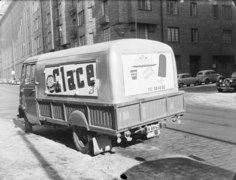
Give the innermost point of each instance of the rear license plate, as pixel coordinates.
(153, 130)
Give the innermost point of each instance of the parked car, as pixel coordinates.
(187, 79)
(3, 81)
(207, 76)
(225, 84)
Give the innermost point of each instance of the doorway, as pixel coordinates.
(194, 63)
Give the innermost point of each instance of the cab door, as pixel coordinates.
(28, 91)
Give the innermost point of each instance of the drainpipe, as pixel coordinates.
(135, 21)
(162, 22)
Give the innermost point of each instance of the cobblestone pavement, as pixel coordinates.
(174, 143)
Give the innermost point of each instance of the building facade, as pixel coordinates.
(201, 32)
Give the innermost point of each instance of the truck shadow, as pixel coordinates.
(59, 135)
(49, 170)
(64, 135)
(178, 168)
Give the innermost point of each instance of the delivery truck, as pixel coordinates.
(105, 92)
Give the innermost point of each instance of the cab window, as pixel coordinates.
(29, 74)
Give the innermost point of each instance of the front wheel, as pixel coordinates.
(220, 90)
(181, 85)
(82, 140)
(28, 126)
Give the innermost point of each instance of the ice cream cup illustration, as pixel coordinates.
(134, 74)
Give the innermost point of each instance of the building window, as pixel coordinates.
(81, 18)
(194, 35)
(143, 31)
(36, 23)
(90, 14)
(227, 12)
(172, 7)
(37, 41)
(82, 40)
(178, 62)
(48, 18)
(60, 33)
(173, 34)
(193, 9)
(227, 36)
(49, 37)
(215, 11)
(91, 38)
(105, 7)
(144, 5)
(107, 34)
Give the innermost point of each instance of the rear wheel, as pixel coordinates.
(196, 83)
(82, 140)
(207, 81)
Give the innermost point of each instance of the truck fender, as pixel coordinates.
(77, 118)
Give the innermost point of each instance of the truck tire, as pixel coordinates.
(20, 112)
(28, 126)
(82, 140)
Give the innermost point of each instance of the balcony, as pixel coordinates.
(104, 20)
(72, 11)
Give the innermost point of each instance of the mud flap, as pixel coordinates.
(101, 144)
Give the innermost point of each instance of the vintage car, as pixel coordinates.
(116, 90)
(207, 76)
(187, 79)
(225, 84)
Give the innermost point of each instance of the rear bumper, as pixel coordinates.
(226, 87)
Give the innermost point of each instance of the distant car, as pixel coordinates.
(3, 81)
(187, 79)
(207, 76)
(225, 84)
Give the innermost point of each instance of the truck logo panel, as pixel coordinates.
(71, 79)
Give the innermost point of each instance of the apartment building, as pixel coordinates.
(201, 32)
(15, 39)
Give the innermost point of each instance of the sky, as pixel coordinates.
(3, 6)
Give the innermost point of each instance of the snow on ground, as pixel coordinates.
(30, 156)
(226, 100)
